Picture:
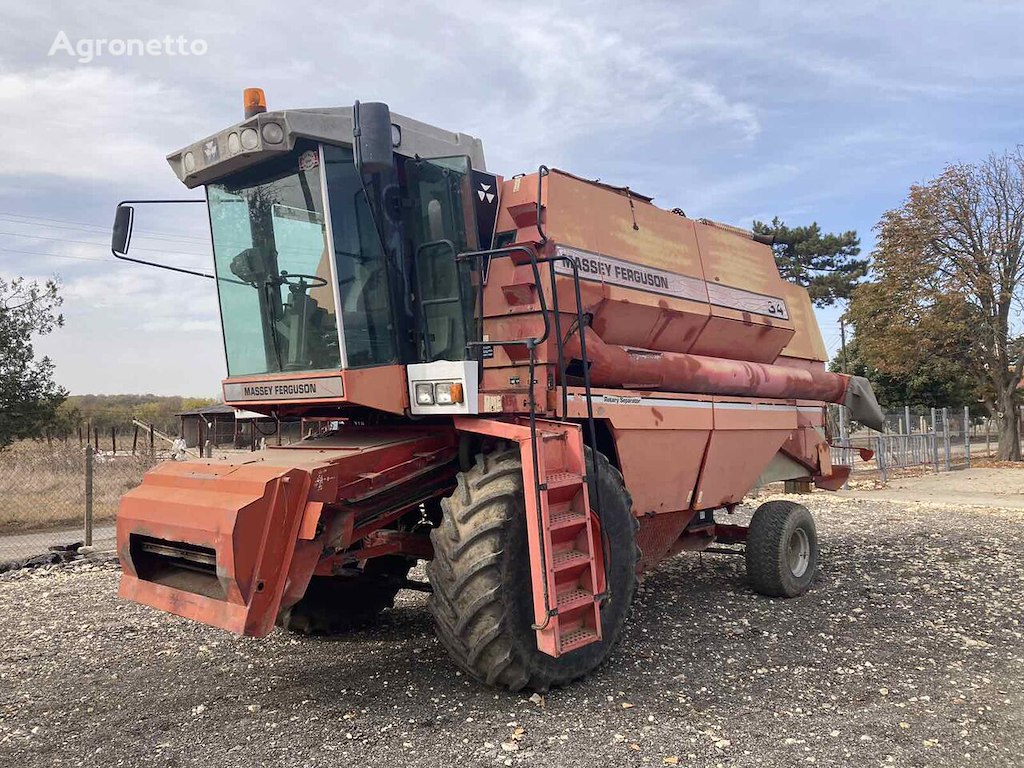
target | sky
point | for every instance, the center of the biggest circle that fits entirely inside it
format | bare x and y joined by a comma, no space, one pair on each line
734,111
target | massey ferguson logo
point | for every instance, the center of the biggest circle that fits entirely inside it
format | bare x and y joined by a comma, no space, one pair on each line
319,388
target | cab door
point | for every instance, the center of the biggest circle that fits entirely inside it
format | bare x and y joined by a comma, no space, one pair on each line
441,224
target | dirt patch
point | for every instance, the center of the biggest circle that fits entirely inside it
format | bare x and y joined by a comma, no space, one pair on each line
908,651
978,487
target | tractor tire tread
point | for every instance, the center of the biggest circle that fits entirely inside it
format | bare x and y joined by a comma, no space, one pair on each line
471,601
767,568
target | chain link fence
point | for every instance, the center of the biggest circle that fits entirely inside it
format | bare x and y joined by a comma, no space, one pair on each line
58,493
43,498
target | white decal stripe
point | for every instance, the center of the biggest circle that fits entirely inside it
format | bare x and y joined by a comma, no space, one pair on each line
755,407
648,401
605,269
665,402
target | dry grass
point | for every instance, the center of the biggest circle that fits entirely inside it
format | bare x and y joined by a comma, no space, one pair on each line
43,486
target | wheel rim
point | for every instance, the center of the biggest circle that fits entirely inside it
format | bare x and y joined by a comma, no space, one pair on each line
798,553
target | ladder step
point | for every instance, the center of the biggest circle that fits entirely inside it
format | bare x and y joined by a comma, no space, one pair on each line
557,480
577,638
567,519
569,559
574,598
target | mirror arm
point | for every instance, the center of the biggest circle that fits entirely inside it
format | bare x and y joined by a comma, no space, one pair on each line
125,257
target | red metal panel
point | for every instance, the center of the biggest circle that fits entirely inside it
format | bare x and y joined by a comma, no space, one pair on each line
248,515
746,436
267,522
660,467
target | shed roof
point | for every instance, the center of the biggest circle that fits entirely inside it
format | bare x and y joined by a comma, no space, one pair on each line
217,409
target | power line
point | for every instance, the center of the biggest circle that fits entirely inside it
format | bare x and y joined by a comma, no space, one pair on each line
94,226
64,256
183,239
95,244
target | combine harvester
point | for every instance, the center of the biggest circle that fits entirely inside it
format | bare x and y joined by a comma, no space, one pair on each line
545,385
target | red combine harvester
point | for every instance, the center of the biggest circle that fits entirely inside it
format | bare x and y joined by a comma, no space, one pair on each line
542,385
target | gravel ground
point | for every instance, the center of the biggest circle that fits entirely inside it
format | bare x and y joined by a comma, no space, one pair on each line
908,651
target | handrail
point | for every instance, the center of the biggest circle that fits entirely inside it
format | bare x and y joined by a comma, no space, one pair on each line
424,303
588,394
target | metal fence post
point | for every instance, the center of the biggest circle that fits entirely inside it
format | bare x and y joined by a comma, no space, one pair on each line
945,436
89,453
935,442
880,457
967,435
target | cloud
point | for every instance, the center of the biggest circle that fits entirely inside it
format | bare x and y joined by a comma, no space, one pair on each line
563,78
821,111
87,123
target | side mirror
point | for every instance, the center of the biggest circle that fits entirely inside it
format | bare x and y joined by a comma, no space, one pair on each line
123,218
373,137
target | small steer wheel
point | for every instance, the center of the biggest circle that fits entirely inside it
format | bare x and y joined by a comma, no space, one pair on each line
310,281
782,549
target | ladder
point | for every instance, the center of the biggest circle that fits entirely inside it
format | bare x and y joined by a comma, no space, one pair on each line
566,562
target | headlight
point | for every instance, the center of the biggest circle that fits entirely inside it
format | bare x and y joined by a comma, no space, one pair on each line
190,162
234,145
424,394
272,133
447,393
250,139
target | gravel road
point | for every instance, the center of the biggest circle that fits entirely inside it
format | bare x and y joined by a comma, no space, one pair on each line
908,651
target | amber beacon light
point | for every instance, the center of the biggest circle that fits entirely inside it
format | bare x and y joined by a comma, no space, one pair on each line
255,101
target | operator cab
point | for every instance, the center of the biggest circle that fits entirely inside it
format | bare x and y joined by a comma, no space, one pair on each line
335,238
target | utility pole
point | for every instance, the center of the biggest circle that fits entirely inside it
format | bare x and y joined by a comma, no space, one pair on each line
842,337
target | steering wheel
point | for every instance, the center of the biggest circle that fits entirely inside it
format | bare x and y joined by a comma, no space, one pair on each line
309,281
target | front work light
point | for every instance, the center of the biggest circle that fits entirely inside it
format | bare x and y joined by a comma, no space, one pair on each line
272,133
443,388
424,394
448,392
250,139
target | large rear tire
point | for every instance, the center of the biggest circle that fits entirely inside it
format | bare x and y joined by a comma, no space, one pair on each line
782,549
334,605
482,600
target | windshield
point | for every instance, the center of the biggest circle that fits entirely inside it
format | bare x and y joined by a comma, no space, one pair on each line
279,290
274,274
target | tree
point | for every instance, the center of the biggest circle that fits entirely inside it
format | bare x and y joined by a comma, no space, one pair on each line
948,278
915,377
825,264
29,398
